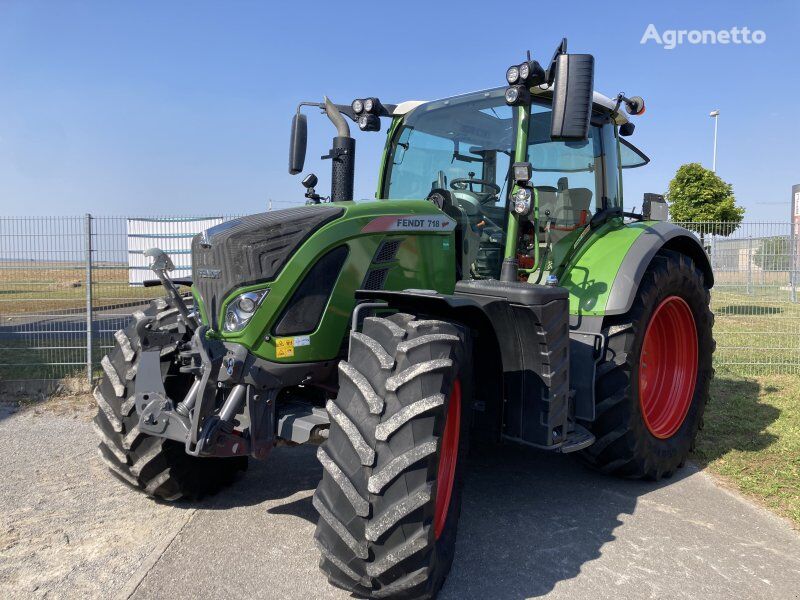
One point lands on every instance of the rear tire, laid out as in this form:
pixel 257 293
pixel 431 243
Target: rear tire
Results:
pixel 157 466
pixel 390 495
pixel 643 432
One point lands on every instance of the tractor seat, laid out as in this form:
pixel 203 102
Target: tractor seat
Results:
pixel 569 207
pixel 548 201
pixel 576 206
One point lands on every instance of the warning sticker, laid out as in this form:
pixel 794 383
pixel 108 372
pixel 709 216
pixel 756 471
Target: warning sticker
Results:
pixel 302 340
pixel 284 347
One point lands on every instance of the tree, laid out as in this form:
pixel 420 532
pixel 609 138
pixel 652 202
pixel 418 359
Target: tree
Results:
pixel 697 195
pixel 773 254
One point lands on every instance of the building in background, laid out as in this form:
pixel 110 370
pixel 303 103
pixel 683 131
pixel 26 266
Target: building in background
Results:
pixel 172 235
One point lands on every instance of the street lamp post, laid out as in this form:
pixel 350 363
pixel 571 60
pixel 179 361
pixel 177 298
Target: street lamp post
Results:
pixel 715 115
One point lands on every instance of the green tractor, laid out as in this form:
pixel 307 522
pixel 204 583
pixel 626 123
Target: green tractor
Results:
pixel 495 290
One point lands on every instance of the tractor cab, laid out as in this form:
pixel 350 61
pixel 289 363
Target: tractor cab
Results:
pixel 458 153
pixel 522 169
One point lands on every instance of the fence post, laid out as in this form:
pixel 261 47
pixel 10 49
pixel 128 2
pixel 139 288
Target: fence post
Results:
pixel 793 251
pixel 749 265
pixel 712 246
pixel 88 233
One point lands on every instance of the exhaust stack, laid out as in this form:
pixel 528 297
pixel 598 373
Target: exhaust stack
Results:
pixel 342 155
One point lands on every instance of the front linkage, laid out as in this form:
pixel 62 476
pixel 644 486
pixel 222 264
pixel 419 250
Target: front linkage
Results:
pixel 225 375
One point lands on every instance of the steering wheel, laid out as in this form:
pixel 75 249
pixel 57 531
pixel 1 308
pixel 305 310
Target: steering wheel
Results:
pixel 460 185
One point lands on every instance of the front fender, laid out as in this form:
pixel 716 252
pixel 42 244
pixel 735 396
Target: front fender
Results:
pixel 423 258
pixel 603 278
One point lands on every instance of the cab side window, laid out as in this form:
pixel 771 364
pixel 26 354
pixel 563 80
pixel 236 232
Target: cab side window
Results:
pixel 568 176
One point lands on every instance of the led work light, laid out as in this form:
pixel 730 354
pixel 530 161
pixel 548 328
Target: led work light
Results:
pixel 517 94
pixel 369 122
pixel 523 172
pixel 522 201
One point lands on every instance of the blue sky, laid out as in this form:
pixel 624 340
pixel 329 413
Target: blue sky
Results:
pixel 184 107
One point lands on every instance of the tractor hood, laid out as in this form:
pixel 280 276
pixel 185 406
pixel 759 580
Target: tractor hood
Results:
pixel 250 250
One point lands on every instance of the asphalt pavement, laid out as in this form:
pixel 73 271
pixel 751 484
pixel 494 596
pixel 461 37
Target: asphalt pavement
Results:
pixel 533 525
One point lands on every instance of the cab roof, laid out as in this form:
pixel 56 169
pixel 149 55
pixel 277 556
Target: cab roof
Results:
pixel 599 99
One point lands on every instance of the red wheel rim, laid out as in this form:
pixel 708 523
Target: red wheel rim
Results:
pixel 668 367
pixel 448 456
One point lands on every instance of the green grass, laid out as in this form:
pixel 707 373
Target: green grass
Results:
pixel 751 439
pixel 55 288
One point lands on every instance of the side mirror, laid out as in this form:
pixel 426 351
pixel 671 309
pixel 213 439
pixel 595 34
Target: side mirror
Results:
pixel 654 208
pixel 573 86
pixel 298 143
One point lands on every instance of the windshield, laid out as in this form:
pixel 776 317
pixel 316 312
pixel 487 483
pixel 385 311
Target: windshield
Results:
pixel 459 144
pixel 458 153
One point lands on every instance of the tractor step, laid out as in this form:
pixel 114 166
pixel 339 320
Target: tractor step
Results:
pixel 299 422
pixel 577 439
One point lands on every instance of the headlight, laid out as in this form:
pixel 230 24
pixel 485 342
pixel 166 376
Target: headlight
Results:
pixel 517 95
pixel 357 106
pixel 512 75
pixel 512 95
pixel 522 201
pixel 242 308
pixel 524 71
pixel 369 123
pixel 247 303
pixel 369 104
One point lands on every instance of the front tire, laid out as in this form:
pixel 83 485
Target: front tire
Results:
pixel 157 466
pixel 652 385
pixel 390 495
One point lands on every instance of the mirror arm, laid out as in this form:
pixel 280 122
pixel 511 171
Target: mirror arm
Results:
pixel 315 104
pixel 550 74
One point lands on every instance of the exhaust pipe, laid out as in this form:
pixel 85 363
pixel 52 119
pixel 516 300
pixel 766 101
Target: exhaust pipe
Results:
pixel 342 155
pixel 342 128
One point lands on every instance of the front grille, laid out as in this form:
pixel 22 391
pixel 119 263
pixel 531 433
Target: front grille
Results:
pixel 250 250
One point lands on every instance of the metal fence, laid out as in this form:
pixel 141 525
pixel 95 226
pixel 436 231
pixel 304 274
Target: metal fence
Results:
pixel 68 283
pixel 755 296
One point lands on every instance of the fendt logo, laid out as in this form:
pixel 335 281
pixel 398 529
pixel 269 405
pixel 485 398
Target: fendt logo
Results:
pixel 209 273
pixel 410 223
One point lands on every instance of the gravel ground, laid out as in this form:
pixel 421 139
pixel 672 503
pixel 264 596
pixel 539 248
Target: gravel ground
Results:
pixel 67 529
pixel 533 525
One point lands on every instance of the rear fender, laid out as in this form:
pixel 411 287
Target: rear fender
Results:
pixel 658 236
pixel 603 278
